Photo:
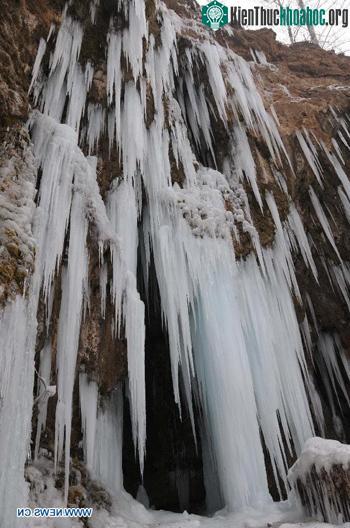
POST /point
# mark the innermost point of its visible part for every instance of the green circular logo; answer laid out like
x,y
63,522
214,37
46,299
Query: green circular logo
x,y
215,15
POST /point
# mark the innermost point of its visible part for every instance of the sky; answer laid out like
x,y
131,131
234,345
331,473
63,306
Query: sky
x,y
337,38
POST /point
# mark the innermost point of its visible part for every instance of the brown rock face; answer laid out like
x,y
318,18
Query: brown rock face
x,y
326,493
23,23
101,354
17,179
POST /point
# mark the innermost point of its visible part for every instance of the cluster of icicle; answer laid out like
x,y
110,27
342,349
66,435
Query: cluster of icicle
x,y
233,332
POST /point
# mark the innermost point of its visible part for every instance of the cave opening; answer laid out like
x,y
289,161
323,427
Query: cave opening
x,y
173,472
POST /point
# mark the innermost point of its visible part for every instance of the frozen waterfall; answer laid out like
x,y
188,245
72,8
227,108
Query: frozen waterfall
x,y
238,352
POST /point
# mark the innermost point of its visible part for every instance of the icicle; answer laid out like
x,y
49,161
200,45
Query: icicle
x,y
64,70
54,149
114,78
232,327
282,251
216,81
248,102
94,4
103,288
323,220
271,352
180,144
228,403
16,389
88,391
133,139
337,149
134,311
77,99
198,114
108,442
244,162
340,277
296,225
205,277
310,154
343,177
37,64
44,373
213,495
133,36
346,203
96,125
332,352
73,281
123,214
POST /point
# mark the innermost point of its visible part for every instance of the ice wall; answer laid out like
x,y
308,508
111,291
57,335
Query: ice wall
x,y
234,337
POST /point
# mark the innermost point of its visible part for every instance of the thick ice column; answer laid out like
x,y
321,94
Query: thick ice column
x,y
16,386
55,149
73,281
129,307
226,386
275,352
88,391
108,442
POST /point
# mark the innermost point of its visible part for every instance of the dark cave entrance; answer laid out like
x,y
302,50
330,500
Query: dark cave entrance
x,y
173,473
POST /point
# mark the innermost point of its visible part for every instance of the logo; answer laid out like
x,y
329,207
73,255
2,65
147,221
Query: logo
x,y
215,15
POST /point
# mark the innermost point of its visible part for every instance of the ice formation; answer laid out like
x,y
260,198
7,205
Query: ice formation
x,y
236,348
316,477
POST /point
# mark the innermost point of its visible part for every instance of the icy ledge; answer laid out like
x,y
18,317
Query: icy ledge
x,y
321,480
